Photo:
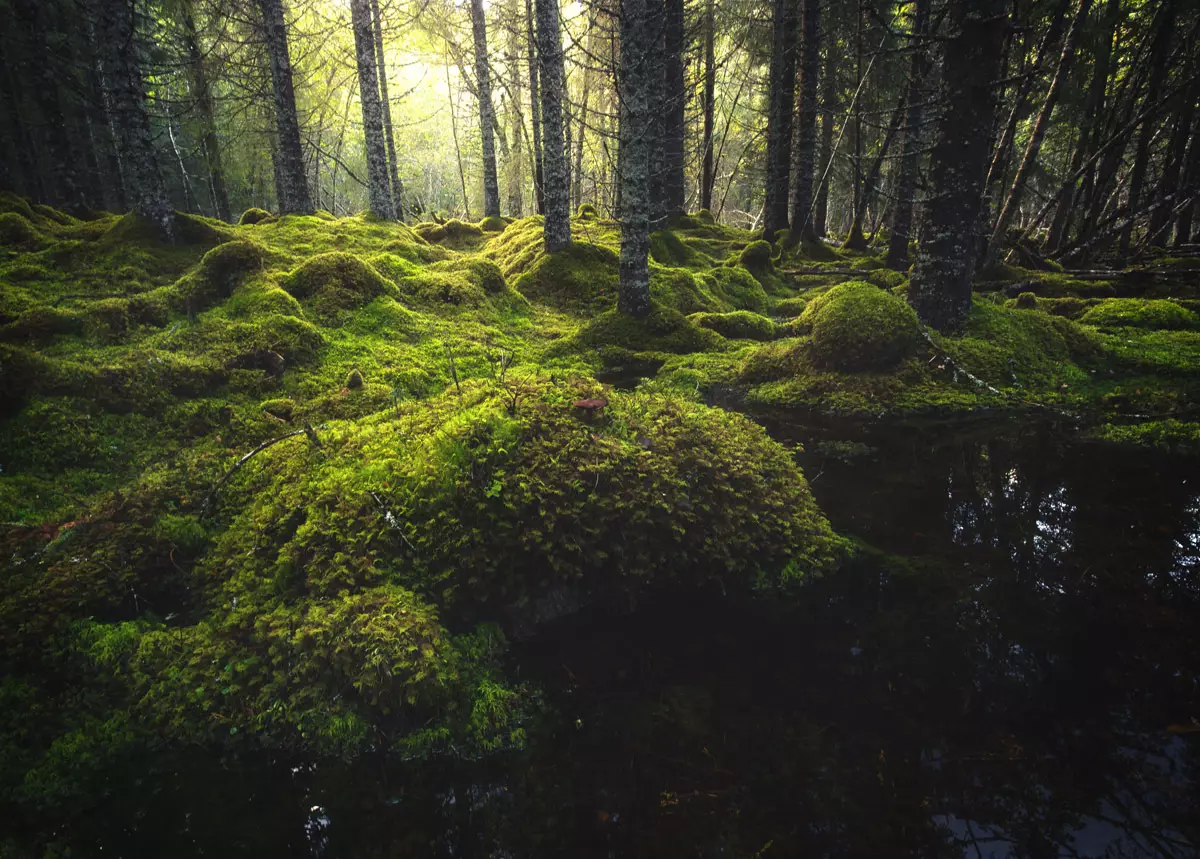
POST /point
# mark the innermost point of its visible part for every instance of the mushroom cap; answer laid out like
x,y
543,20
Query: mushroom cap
x,y
590,404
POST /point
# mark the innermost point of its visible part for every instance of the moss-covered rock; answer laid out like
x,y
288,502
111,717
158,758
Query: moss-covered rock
x,y
663,329
493,224
858,326
581,278
736,287
586,212
254,216
220,272
1139,313
738,325
333,282
16,231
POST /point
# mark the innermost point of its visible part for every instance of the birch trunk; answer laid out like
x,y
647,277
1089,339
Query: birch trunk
x,y
554,168
291,184
940,288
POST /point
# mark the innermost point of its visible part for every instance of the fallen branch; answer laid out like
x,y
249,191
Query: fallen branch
x,y
847,271
212,493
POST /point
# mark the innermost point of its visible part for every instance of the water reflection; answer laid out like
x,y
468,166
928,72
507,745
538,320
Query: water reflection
x,y
1019,678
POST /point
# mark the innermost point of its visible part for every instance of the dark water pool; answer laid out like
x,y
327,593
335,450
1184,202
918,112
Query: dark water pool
x,y
1019,675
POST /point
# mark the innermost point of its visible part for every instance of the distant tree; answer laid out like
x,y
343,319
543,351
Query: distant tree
x,y
487,113
673,116
378,183
805,136
779,116
381,64
910,159
204,109
638,98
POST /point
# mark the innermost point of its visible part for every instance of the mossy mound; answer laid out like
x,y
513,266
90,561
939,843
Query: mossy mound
x,y
756,259
858,326
221,270
735,287
254,216
663,329
16,231
333,282
493,224
666,248
455,234
581,278
586,211
1140,313
738,325
492,507
789,308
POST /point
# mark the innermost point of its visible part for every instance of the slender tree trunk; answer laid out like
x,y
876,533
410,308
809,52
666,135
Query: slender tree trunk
x,y
872,174
17,130
674,118
1089,126
1191,185
639,25
462,174
389,137
710,90
828,110
804,154
535,104
1009,210
1168,185
204,111
483,79
779,117
577,172
131,120
910,161
379,190
554,156
940,288
515,169
855,238
291,183
1137,177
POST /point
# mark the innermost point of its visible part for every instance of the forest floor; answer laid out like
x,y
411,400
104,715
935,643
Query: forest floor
x,y
426,462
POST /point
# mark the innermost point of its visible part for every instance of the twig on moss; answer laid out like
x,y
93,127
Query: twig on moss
x,y
212,493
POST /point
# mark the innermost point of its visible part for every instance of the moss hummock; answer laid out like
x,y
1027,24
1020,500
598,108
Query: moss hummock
x,y
858,326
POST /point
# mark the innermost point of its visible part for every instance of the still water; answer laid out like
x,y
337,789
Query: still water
x,y
1015,672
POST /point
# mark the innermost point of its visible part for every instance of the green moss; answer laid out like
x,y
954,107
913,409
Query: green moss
x,y
17,232
282,408
480,272
1170,435
493,224
1026,301
255,216
662,330
354,379
886,278
857,326
791,307
1140,313
667,249
581,278
586,212
738,325
219,273
334,282
735,287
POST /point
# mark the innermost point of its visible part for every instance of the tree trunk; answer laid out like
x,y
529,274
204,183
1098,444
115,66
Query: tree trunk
x,y
1191,185
1040,126
577,171
710,90
638,98
379,191
779,117
16,129
940,288
131,121
483,80
855,238
1160,220
1158,68
1089,127
515,169
872,175
204,112
393,165
804,153
675,96
291,183
63,185
910,161
554,156
828,109
535,115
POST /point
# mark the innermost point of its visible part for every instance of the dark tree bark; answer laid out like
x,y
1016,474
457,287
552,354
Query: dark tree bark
x,y
804,153
1041,124
867,195
64,184
379,190
1089,126
204,112
855,238
675,96
393,165
1168,186
535,114
779,117
16,128
100,123
131,121
487,112
638,99
554,156
910,161
828,109
1158,69
291,183
1191,186
940,288
710,90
